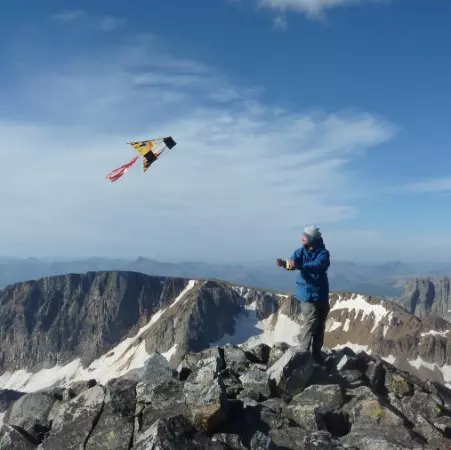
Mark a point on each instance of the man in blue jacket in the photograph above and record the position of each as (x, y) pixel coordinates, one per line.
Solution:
(312, 288)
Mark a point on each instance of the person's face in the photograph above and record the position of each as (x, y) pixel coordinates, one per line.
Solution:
(304, 241)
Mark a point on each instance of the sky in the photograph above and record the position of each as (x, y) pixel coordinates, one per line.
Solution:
(285, 113)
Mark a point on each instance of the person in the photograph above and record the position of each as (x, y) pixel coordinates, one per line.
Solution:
(312, 261)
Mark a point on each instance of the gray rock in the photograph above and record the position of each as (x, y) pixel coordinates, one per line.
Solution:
(236, 359)
(289, 438)
(232, 441)
(190, 361)
(114, 430)
(277, 405)
(373, 414)
(422, 404)
(373, 438)
(257, 353)
(292, 371)
(277, 352)
(261, 441)
(257, 381)
(326, 397)
(308, 416)
(12, 439)
(352, 378)
(321, 440)
(444, 425)
(207, 403)
(161, 401)
(376, 377)
(30, 413)
(205, 370)
(434, 437)
(80, 386)
(175, 433)
(443, 392)
(75, 420)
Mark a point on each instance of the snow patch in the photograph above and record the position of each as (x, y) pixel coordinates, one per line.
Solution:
(435, 333)
(333, 325)
(356, 348)
(127, 355)
(359, 304)
(445, 370)
(390, 359)
(170, 353)
(275, 328)
(189, 286)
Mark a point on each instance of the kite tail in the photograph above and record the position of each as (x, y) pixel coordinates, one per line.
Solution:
(115, 174)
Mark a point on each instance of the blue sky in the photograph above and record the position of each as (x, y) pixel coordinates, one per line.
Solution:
(290, 112)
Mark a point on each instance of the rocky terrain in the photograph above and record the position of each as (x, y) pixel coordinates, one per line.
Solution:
(103, 325)
(252, 397)
(427, 296)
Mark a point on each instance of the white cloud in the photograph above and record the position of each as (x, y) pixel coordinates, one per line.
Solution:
(242, 178)
(313, 8)
(105, 23)
(435, 185)
(110, 23)
(69, 15)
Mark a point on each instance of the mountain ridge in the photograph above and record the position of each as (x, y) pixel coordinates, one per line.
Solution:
(118, 319)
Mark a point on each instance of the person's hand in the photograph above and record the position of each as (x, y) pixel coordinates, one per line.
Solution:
(280, 262)
(290, 264)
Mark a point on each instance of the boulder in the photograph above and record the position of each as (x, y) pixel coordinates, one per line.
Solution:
(257, 353)
(174, 433)
(231, 441)
(321, 440)
(13, 439)
(257, 381)
(292, 371)
(75, 420)
(114, 429)
(374, 438)
(207, 404)
(277, 352)
(235, 359)
(159, 401)
(31, 414)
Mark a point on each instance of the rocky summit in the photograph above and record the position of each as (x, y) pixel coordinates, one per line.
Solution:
(248, 397)
(121, 360)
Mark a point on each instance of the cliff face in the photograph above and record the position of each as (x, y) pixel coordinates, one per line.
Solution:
(51, 320)
(428, 296)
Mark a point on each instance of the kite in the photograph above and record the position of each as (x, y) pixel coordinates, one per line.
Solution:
(150, 150)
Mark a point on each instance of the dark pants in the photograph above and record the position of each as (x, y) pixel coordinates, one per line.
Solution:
(311, 337)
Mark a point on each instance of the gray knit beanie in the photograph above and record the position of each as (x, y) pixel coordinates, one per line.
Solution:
(312, 233)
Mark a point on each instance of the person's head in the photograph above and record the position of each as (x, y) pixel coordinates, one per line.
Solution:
(310, 236)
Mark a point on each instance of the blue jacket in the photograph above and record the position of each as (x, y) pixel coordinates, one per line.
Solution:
(312, 283)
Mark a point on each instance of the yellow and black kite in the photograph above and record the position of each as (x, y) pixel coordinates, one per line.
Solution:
(150, 150)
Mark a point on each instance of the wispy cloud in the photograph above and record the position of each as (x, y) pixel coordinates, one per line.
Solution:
(435, 185)
(69, 15)
(314, 9)
(102, 23)
(243, 176)
(110, 23)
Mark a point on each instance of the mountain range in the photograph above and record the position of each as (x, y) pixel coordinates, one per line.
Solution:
(121, 360)
(370, 279)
